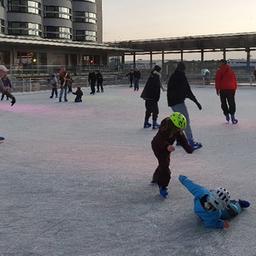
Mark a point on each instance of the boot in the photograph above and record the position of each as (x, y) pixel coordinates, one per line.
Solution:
(155, 125)
(194, 145)
(163, 192)
(147, 124)
(243, 203)
(13, 101)
(233, 119)
(227, 118)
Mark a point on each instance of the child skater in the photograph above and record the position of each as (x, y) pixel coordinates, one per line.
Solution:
(162, 144)
(78, 94)
(213, 207)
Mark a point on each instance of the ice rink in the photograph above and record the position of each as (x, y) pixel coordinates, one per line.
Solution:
(75, 177)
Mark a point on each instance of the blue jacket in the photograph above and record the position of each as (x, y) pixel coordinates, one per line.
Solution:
(211, 219)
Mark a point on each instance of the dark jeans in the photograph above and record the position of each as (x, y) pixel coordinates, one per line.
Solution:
(54, 91)
(227, 99)
(151, 108)
(100, 86)
(7, 93)
(162, 174)
(136, 84)
(92, 88)
(63, 90)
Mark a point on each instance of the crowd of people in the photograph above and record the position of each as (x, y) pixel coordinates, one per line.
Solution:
(64, 81)
(214, 207)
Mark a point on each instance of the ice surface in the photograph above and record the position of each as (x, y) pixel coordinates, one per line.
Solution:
(74, 178)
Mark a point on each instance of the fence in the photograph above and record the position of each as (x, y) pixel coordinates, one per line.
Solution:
(35, 80)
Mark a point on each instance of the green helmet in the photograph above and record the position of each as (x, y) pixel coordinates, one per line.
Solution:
(179, 120)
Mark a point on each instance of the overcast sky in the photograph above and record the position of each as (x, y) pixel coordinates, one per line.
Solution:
(145, 19)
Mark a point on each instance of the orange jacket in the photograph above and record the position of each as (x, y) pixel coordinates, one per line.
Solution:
(225, 78)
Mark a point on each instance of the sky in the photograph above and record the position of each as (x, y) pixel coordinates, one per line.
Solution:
(147, 19)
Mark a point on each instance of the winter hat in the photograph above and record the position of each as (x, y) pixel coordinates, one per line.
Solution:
(181, 66)
(3, 68)
(223, 61)
(157, 68)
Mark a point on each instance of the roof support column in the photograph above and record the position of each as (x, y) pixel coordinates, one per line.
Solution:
(123, 61)
(151, 60)
(12, 57)
(162, 59)
(181, 55)
(134, 60)
(224, 54)
(248, 58)
(202, 55)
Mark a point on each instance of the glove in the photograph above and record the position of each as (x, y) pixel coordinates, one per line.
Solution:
(199, 106)
(226, 224)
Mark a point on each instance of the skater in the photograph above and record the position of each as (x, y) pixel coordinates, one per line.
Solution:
(136, 79)
(130, 75)
(162, 146)
(69, 83)
(99, 79)
(63, 76)
(213, 207)
(7, 87)
(5, 84)
(54, 83)
(79, 94)
(151, 95)
(92, 81)
(226, 85)
(177, 91)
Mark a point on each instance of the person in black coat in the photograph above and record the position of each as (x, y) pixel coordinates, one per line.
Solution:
(78, 94)
(151, 95)
(92, 81)
(178, 89)
(99, 78)
(130, 75)
(136, 79)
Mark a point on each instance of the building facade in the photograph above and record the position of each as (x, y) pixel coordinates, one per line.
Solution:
(29, 28)
(78, 20)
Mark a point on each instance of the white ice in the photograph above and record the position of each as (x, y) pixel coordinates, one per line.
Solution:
(74, 178)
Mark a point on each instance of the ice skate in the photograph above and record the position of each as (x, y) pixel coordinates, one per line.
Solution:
(243, 203)
(155, 125)
(195, 145)
(163, 192)
(233, 119)
(227, 118)
(13, 101)
(147, 125)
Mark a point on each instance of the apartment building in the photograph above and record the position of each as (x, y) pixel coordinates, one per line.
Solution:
(53, 32)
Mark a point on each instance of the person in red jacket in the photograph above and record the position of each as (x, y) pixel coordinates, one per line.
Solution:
(226, 85)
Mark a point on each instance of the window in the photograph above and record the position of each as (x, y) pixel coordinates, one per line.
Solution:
(2, 3)
(92, 1)
(85, 35)
(88, 17)
(57, 12)
(24, 28)
(2, 26)
(58, 32)
(24, 6)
